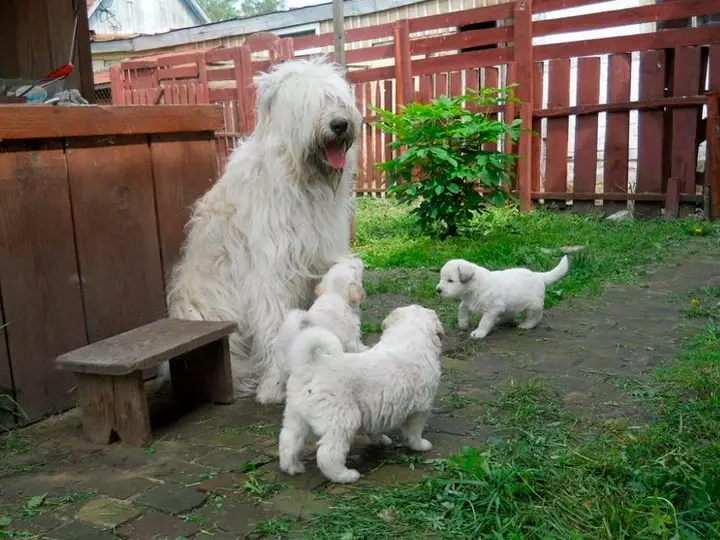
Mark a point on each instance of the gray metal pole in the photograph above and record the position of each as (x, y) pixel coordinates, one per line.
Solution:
(339, 24)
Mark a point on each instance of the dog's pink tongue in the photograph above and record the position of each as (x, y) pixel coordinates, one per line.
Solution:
(335, 155)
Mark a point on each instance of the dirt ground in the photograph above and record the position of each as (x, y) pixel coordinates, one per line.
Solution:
(212, 472)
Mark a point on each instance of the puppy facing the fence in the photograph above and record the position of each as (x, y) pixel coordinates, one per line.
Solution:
(499, 296)
(335, 394)
(336, 308)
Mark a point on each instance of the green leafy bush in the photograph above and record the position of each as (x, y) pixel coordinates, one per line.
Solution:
(442, 169)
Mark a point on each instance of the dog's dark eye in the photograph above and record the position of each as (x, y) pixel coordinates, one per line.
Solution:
(450, 280)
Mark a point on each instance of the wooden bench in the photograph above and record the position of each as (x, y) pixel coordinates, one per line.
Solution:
(110, 379)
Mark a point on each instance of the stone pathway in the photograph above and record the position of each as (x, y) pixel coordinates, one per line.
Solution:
(212, 472)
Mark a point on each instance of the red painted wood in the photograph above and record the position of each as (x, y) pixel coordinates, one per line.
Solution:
(557, 128)
(460, 18)
(586, 127)
(686, 81)
(462, 40)
(524, 67)
(714, 62)
(665, 39)
(425, 88)
(651, 124)
(619, 17)
(617, 133)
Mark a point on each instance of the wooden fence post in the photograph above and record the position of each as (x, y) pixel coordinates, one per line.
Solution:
(524, 71)
(117, 90)
(712, 152)
(403, 69)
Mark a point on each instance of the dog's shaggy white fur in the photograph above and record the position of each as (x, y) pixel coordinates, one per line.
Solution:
(336, 394)
(277, 219)
(499, 296)
(339, 294)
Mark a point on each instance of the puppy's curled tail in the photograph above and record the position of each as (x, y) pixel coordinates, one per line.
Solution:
(313, 345)
(557, 273)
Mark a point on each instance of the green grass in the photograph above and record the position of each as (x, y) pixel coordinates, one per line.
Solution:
(388, 238)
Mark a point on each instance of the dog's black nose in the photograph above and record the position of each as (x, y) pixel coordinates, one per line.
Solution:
(338, 126)
(438, 290)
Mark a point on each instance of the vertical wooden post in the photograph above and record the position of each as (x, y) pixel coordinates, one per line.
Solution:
(524, 69)
(117, 90)
(403, 69)
(712, 152)
(339, 30)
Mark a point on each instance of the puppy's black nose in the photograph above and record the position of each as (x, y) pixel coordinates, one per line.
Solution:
(338, 126)
(438, 290)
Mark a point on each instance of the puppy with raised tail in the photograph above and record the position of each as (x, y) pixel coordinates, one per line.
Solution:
(335, 394)
(499, 296)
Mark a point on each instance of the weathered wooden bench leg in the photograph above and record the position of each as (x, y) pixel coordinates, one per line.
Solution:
(204, 374)
(132, 418)
(95, 395)
(114, 407)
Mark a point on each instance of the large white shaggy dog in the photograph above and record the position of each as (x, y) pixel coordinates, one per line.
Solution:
(499, 296)
(336, 394)
(262, 236)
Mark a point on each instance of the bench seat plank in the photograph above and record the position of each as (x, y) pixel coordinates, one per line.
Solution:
(144, 347)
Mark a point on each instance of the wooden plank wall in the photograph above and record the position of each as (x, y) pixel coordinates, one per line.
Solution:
(90, 228)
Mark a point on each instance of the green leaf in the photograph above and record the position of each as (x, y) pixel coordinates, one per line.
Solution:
(439, 189)
(453, 188)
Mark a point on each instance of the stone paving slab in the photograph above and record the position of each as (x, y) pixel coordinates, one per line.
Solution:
(80, 531)
(107, 513)
(172, 499)
(156, 525)
(124, 488)
(236, 517)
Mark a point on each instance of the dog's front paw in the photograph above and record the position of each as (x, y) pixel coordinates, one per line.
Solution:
(293, 468)
(381, 439)
(423, 445)
(477, 334)
(348, 476)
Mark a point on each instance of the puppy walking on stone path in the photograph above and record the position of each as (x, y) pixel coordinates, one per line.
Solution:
(499, 296)
(335, 394)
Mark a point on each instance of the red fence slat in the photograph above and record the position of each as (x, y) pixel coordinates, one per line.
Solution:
(686, 80)
(586, 127)
(617, 133)
(651, 124)
(557, 128)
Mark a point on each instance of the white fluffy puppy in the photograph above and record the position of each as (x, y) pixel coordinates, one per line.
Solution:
(260, 239)
(336, 394)
(336, 308)
(499, 296)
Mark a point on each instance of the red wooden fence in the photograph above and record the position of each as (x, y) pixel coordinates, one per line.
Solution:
(423, 58)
